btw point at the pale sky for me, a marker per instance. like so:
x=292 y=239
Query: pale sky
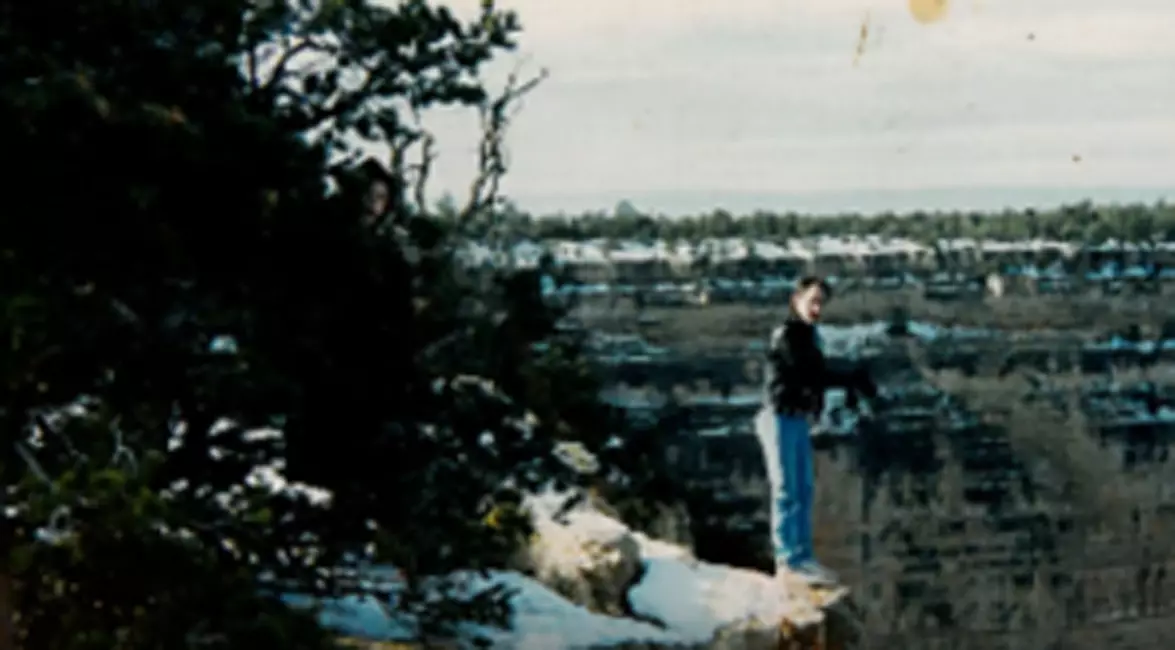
x=688 y=105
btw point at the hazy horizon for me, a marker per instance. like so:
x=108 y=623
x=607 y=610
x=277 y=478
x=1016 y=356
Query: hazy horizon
x=682 y=106
x=868 y=201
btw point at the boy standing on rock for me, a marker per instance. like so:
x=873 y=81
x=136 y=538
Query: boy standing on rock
x=797 y=376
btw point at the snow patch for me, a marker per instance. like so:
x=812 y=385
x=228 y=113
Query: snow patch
x=691 y=602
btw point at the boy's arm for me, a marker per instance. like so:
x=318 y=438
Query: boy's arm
x=778 y=351
x=780 y=361
x=853 y=377
x=790 y=357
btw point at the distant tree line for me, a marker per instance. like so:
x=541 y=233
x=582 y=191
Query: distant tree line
x=1081 y=222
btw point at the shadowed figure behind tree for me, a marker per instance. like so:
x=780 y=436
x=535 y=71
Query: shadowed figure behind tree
x=412 y=400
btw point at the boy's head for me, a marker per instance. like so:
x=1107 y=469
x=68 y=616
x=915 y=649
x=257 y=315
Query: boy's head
x=808 y=298
x=376 y=200
x=377 y=195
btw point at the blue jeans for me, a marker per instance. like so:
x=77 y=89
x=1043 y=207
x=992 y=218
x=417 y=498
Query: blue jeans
x=787 y=449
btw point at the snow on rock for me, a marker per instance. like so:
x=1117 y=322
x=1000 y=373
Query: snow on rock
x=699 y=604
x=543 y=620
x=709 y=604
x=668 y=600
x=589 y=558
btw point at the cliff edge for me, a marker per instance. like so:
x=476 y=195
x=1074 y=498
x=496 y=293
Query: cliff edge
x=589 y=582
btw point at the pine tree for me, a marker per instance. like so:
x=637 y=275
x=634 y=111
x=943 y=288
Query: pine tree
x=222 y=384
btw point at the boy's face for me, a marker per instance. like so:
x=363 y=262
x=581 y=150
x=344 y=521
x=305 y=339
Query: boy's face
x=809 y=304
x=376 y=201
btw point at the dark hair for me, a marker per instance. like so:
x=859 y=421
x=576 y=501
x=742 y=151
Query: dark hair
x=805 y=283
x=374 y=171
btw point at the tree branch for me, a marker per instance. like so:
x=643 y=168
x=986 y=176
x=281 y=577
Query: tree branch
x=280 y=69
x=251 y=63
x=423 y=169
x=348 y=101
x=495 y=116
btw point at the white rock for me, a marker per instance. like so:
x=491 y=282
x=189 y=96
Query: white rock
x=589 y=558
x=713 y=605
x=670 y=599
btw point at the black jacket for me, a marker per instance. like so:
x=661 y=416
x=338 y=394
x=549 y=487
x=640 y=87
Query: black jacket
x=798 y=373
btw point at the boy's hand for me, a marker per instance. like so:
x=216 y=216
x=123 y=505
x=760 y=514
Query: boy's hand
x=863 y=382
x=855 y=402
x=865 y=409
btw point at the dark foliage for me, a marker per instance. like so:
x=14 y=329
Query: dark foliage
x=173 y=265
x=1079 y=223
